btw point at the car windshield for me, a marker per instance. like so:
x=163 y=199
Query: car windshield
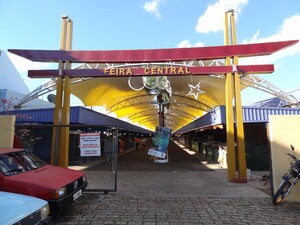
x=19 y=162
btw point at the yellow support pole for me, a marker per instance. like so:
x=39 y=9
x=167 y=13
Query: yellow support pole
x=65 y=131
x=238 y=111
x=231 y=173
x=58 y=100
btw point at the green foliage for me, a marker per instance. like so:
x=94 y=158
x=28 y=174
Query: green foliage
x=158 y=85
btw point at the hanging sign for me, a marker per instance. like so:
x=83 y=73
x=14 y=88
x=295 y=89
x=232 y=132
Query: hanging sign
x=152 y=71
x=160 y=142
x=90 y=144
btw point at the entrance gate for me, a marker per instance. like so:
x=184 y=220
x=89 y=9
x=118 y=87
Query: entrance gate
x=100 y=166
x=230 y=53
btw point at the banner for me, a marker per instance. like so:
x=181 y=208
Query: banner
x=160 y=142
x=90 y=144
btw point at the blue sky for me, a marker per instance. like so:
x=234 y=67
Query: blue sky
x=147 y=24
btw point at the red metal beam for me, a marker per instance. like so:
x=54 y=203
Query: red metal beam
x=152 y=71
x=153 y=55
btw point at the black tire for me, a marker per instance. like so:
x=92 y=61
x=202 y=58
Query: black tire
x=280 y=193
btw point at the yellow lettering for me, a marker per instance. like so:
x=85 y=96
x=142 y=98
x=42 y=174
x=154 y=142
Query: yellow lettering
x=153 y=70
x=122 y=71
x=173 y=70
x=160 y=70
x=180 y=70
x=147 y=70
x=129 y=72
x=187 y=70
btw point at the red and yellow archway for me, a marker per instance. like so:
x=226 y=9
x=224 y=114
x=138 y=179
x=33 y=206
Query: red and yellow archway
x=109 y=86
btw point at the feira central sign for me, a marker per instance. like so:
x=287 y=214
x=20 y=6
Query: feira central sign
x=148 y=71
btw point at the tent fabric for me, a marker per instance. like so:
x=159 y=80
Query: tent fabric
x=115 y=94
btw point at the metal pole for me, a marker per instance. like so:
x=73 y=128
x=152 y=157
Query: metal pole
x=238 y=111
x=163 y=116
x=229 y=113
x=116 y=142
x=58 y=99
x=64 y=136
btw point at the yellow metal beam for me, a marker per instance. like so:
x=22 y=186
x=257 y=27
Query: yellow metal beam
x=240 y=129
x=65 y=131
x=238 y=111
x=58 y=100
x=231 y=173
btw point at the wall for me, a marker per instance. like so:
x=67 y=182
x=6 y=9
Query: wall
x=257 y=147
x=7 y=131
x=283 y=131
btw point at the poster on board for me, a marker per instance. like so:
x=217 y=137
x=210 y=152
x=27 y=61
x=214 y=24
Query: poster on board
x=90 y=144
x=160 y=142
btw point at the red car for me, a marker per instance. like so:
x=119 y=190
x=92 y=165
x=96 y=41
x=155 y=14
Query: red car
x=24 y=173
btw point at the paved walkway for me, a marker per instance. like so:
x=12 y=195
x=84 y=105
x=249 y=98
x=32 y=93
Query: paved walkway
x=182 y=192
x=159 y=210
x=184 y=175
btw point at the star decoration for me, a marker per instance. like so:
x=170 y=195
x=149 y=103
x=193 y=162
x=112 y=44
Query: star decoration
x=195 y=90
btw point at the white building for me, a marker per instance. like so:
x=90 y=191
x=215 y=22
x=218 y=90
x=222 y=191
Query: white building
x=12 y=87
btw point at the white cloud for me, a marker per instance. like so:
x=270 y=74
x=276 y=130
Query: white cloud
x=187 y=44
x=213 y=18
x=199 y=44
x=184 y=44
x=287 y=31
x=153 y=7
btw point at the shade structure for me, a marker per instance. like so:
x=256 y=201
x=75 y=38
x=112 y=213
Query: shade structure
x=191 y=96
x=140 y=106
